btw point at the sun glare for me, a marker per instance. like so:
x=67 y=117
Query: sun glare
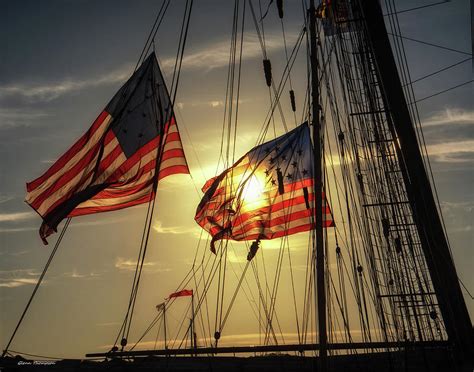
x=252 y=193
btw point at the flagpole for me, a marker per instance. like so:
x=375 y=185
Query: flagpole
x=194 y=329
x=164 y=324
x=318 y=192
x=191 y=329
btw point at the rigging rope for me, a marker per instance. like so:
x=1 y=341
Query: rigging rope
x=127 y=322
x=417 y=8
x=368 y=172
x=38 y=283
x=440 y=70
x=430 y=44
x=443 y=91
x=151 y=36
x=416 y=118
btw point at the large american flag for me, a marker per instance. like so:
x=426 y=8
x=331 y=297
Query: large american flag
x=117 y=163
x=266 y=194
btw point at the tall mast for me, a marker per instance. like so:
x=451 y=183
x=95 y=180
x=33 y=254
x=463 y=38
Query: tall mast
x=434 y=244
x=318 y=192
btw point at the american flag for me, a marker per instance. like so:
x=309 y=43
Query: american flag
x=266 y=194
x=115 y=164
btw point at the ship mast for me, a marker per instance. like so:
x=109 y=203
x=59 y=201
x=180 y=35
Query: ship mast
x=429 y=225
x=319 y=274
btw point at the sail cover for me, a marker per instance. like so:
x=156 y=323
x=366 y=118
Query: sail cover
x=117 y=163
x=266 y=194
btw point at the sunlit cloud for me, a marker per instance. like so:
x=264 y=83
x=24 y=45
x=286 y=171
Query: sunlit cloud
x=15 y=118
x=18 y=278
x=158 y=227
x=17 y=229
x=449 y=116
x=23 y=216
x=16 y=253
x=452 y=152
x=214 y=104
x=13 y=272
x=15 y=217
x=210 y=57
x=216 y=55
x=102 y=220
x=5 y=198
x=458 y=216
x=74 y=274
x=13 y=283
x=46 y=92
x=128 y=264
x=466 y=206
x=462 y=229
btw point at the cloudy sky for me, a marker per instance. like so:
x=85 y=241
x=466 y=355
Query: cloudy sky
x=61 y=62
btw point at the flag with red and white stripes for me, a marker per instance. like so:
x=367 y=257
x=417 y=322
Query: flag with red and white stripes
x=182 y=293
x=117 y=163
x=266 y=194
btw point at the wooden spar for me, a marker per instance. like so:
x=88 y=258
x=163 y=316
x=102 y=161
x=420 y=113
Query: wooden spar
x=320 y=294
x=424 y=208
x=275 y=348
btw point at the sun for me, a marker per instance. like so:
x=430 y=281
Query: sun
x=253 y=192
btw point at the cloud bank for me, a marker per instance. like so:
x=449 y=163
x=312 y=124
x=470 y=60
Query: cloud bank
x=211 y=56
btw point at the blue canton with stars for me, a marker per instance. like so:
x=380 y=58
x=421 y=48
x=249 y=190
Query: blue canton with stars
x=141 y=108
x=286 y=159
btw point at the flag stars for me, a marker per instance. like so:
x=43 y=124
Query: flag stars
x=289 y=176
x=267 y=172
x=273 y=182
x=294 y=164
x=305 y=172
x=299 y=152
